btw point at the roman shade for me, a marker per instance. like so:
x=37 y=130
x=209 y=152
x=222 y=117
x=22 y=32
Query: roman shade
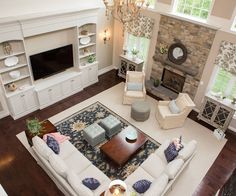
x=140 y=27
x=226 y=57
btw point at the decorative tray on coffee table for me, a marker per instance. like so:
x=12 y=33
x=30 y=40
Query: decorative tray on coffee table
x=132 y=133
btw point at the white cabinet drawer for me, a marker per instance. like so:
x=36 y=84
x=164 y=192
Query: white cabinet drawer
x=22 y=103
x=49 y=95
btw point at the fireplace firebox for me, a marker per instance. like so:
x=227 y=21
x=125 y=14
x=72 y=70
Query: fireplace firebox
x=172 y=81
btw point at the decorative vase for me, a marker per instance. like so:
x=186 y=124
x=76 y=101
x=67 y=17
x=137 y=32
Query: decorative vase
x=12 y=86
x=7 y=49
x=134 y=57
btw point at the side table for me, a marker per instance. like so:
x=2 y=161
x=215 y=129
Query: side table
x=47 y=127
x=128 y=64
x=217 y=113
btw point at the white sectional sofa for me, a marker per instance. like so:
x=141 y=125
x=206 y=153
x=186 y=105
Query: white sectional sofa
x=161 y=173
x=69 y=168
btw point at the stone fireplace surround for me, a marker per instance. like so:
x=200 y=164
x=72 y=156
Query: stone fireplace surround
x=198 y=41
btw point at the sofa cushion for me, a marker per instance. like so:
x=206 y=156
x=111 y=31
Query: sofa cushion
x=153 y=165
x=173 y=107
x=77 y=161
x=158 y=186
x=42 y=147
x=58 y=165
x=53 y=144
x=91 y=183
x=171 y=152
x=134 y=86
x=142 y=186
x=66 y=149
x=173 y=167
x=76 y=184
x=93 y=172
x=188 y=150
x=138 y=174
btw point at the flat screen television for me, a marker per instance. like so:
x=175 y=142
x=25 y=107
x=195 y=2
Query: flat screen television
x=50 y=62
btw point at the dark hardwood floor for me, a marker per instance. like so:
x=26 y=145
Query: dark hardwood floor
x=20 y=175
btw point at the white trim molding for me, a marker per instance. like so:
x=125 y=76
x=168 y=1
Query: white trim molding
x=106 y=69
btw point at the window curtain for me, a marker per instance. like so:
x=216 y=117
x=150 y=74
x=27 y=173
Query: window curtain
x=140 y=27
x=226 y=57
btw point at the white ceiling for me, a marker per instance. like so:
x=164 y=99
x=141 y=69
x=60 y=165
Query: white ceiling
x=17 y=9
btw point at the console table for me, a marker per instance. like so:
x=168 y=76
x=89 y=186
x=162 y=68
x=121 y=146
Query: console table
x=217 y=113
x=129 y=64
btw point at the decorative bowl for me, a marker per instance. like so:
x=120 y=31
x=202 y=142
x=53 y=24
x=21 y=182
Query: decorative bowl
x=85 y=40
x=14 y=74
x=11 y=61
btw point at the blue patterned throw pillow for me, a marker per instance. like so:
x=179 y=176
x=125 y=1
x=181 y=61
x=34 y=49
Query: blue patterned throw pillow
x=53 y=144
x=171 y=152
x=142 y=186
x=91 y=183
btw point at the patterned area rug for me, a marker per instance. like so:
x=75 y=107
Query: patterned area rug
x=73 y=126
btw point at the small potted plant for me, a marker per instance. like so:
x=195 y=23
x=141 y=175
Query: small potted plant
x=156 y=82
x=91 y=58
x=134 y=52
x=34 y=126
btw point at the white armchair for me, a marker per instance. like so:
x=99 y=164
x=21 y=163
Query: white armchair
x=168 y=120
x=131 y=95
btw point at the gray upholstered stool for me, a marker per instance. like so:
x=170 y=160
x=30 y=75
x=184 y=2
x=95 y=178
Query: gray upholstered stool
x=94 y=134
x=140 y=110
x=111 y=125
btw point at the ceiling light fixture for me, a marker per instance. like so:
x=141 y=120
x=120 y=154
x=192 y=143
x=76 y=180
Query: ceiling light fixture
x=124 y=10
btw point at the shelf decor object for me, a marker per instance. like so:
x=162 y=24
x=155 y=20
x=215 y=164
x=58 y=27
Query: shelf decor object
x=12 y=86
x=85 y=40
x=14 y=74
x=7 y=49
x=11 y=61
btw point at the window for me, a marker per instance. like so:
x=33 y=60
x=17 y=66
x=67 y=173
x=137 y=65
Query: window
x=233 y=28
x=140 y=43
x=151 y=3
x=225 y=83
x=194 y=8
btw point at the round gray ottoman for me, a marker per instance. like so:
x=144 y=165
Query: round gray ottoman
x=140 y=110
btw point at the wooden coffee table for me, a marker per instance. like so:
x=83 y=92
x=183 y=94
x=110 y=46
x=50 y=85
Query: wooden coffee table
x=119 y=149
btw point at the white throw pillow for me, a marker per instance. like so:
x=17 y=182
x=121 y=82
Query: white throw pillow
x=41 y=147
x=188 y=150
x=58 y=165
x=76 y=184
x=173 y=167
x=158 y=186
x=173 y=107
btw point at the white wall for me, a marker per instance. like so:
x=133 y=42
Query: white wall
x=48 y=41
x=104 y=51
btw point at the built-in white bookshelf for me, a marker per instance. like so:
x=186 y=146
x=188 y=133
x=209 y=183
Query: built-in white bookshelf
x=13 y=60
x=87 y=43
